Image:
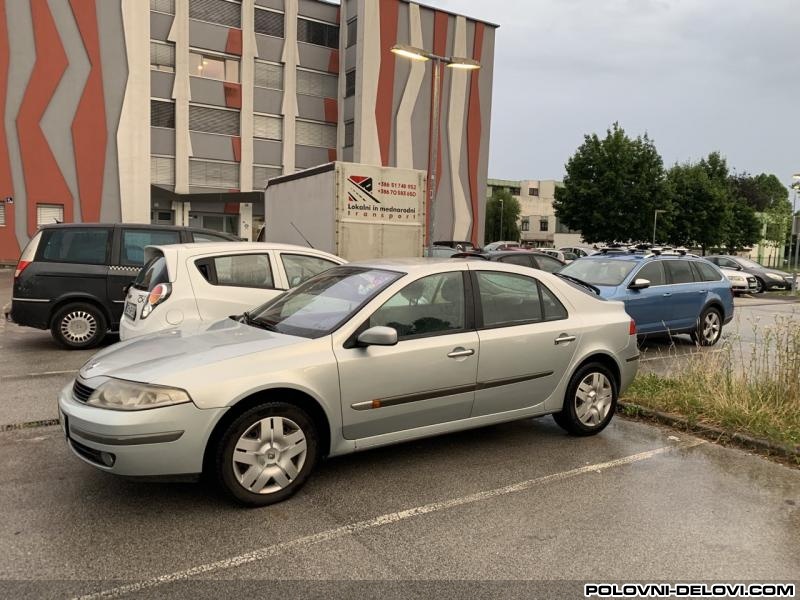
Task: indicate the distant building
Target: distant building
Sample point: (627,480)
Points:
(538,223)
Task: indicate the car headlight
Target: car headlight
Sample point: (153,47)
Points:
(774,276)
(117,394)
(737,278)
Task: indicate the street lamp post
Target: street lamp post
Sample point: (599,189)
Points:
(453,62)
(796,232)
(655,222)
(502,206)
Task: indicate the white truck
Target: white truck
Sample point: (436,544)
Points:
(354,211)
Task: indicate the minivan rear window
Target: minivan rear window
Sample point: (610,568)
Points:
(153,273)
(87,246)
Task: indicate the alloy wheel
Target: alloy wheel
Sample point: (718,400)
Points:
(711,327)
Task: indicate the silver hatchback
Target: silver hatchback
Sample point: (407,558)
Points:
(363,355)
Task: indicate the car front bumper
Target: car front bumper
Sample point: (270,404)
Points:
(158,442)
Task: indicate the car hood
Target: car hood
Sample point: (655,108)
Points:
(775,272)
(152,357)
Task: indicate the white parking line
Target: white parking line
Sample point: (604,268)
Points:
(359,526)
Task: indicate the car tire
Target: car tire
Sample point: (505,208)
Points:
(78,326)
(760,286)
(709,328)
(266,454)
(590,401)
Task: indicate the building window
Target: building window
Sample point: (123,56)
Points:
(162,56)
(2,214)
(206,173)
(526,224)
(315,83)
(514,191)
(350,83)
(268,75)
(533,191)
(162,170)
(544,224)
(262,173)
(310,133)
(224,12)
(352,32)
(163,6)
(269,22)
(214,67)
(316,32)
(162,114)
(349,133)
(47,214)
(267,127)
(213,120)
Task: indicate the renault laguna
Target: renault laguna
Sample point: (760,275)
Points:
(360,356)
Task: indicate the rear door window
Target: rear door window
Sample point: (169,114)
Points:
(134,240)
(508,299)
(240,270)
(88,246)
(679,271)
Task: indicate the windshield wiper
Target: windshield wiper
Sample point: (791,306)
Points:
(580,282)
(248,319)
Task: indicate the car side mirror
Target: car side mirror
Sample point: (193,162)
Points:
(639,284)
(378,336)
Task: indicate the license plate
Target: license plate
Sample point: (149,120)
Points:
(130,310)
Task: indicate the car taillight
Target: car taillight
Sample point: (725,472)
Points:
(21,266)
(156,296)
(632,328)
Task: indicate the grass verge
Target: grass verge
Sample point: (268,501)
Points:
(751,390)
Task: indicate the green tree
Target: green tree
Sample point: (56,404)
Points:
(511,209)
(703,211)
(612,188)
(744,228)
(766,195)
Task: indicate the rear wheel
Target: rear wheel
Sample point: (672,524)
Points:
(79,326)
(266,454)
(709,328)
(590,401)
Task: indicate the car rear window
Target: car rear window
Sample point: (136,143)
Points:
(88,246)
(153,273)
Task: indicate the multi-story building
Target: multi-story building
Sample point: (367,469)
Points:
(178,111)
(538,224)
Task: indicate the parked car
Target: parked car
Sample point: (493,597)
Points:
(495,246)
(459,245)
(523,258)
(187,284)
(741,282)
(72,278)
(766,278)
(579,251)
(663,293)
(565,257)
(360,356)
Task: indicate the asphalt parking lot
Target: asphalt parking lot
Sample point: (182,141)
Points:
(506,507)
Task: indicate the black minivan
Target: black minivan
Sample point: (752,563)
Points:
(71,278)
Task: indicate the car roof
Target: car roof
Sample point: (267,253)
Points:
(196,248)
(491,254)
(639,257)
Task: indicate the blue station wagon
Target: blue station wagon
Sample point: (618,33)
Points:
(662,293)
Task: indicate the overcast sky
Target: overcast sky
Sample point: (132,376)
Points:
(696,75)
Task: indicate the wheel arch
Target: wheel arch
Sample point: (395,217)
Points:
(290,395)
(605,359)
(78,299)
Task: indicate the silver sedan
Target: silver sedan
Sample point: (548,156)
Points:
(360,356)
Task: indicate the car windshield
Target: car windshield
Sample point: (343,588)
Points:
(600,271)
(323,303)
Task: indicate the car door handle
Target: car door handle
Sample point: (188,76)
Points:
(565,339)
(701,291)
(460,352)
(667,295)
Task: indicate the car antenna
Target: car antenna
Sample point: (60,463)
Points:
(310,245)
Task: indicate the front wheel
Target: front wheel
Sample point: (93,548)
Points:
(266,454)
(590,401)
(709,328)
(79,326)
(760,287)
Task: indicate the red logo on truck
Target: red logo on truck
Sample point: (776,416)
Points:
(364,186)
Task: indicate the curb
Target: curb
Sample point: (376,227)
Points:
(710,432)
